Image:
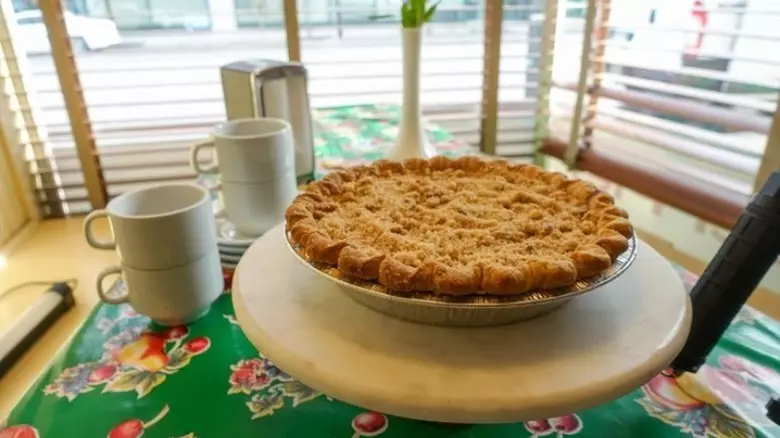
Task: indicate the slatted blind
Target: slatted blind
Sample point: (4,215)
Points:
(18,138)
(362,64)
(688,96)
(130,112)
(686,87)
(13,215)
(147,100)
(480,61)
(12,210)
(524,67)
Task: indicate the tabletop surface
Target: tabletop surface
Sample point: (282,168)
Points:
(600,346)
(121,374)
(124,375)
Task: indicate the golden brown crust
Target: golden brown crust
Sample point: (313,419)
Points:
(360,263)
(459,227)
(590,260)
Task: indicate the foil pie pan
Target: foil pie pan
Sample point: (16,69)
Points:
(464,311)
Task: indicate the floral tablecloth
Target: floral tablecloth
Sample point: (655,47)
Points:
(124,377)
(352,135)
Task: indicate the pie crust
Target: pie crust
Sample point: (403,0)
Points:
(464,226)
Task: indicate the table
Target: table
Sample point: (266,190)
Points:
(59,246)
(123,374)
(599,347)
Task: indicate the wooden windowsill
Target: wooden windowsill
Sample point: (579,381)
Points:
(56,250)
(762,299)
(678,191)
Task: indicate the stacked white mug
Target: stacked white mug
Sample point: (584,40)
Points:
(168,250)
(256,171)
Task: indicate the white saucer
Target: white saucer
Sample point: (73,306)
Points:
(232,250)
(227,235)
(227,258)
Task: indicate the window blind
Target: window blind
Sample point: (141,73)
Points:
(131,110)
(662,86)
(687,89)
(23,190)
(13,214)
(363,65)
(526,49)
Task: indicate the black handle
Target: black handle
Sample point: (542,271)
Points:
(739,266)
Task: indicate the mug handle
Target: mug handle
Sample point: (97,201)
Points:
(91,239)
(213,189)
(196,166)
(122,298)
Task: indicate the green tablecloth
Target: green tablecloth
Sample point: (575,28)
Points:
(124,377)
(352,135)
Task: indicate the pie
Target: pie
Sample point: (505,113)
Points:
(459,227)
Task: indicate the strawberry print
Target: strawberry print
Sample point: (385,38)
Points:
(136,359)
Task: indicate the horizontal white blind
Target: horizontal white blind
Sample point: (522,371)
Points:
(12,210)
(152,96)
(690,91)
(519,80)
(13,215)
(147,107)
(364,63)
(26,139)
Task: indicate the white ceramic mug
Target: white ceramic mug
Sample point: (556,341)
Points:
(248,150)
(158,227)
(171,296)
(255,208)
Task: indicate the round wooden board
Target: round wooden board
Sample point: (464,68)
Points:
(599,347)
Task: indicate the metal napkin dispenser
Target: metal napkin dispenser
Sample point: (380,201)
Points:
(263,88)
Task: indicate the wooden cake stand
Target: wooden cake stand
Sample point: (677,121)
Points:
(600,346)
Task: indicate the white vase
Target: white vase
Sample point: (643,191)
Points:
(412,141)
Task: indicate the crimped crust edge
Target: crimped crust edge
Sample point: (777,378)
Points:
(610,222)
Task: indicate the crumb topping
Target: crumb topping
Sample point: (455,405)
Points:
(463,215)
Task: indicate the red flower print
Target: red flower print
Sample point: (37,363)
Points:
(538,426)
(567,425)
(20,431)
(252,364)
(248,376)
(557,426)
(176,332)
(369,424)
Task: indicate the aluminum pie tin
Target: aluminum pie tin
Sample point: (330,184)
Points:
(469,310)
